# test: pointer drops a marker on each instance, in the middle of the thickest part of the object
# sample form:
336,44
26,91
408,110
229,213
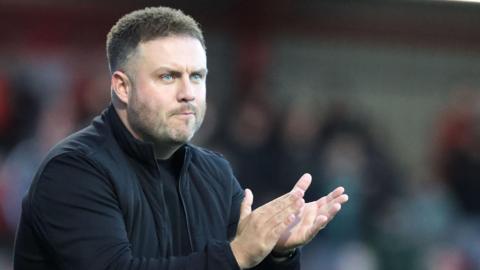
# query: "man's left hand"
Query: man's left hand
312,218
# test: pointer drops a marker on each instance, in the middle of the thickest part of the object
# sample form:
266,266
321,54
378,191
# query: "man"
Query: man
130,192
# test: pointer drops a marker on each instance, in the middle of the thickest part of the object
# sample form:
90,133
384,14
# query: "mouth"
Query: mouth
185,111
184,115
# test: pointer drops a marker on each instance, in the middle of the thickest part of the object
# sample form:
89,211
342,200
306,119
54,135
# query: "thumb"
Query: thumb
246,206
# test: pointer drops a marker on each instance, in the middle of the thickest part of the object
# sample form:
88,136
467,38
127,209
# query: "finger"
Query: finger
303,183
331,196
277,231
334,209
331,212
335,193
323,219
340,199
320,222
308,221
246,206
298,191
279,204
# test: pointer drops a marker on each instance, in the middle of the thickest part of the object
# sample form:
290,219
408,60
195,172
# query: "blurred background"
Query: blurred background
382,97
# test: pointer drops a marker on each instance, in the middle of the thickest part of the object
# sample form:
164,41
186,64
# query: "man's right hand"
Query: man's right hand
259,231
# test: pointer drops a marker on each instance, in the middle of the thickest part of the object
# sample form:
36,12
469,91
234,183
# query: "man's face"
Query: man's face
167,101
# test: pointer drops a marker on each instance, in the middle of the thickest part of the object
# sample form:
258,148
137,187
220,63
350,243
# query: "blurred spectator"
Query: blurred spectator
92,93
418,220
210,128
459,149
352,255
5,112
466,237
55,122
349,155
356,256
249,145
21,110
445,257
298,140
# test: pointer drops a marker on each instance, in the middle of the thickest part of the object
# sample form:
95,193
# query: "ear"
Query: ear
121,86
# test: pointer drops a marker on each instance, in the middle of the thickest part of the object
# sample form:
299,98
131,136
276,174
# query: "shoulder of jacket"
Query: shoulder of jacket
89,144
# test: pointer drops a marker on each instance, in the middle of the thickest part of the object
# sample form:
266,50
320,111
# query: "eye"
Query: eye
196,77
167,77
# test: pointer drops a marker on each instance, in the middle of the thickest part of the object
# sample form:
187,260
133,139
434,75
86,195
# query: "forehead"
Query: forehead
173,51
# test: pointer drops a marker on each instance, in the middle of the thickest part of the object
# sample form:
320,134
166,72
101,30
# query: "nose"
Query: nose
186,90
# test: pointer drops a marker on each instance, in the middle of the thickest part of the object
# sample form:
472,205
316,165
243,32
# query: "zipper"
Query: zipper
185,212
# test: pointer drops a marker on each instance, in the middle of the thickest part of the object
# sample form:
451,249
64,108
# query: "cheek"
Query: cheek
153,100
202,105
201,95
146,109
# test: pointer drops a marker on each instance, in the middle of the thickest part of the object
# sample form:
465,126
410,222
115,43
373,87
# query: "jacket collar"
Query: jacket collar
143,151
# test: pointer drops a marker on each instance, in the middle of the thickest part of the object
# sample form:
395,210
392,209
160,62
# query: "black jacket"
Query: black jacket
95,203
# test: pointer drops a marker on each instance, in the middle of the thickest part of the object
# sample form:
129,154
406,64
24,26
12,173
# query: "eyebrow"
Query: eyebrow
174,70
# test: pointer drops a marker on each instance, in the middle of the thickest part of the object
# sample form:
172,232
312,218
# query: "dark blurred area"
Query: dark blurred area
381,97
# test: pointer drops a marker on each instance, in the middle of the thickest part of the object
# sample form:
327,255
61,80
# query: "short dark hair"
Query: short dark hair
145,25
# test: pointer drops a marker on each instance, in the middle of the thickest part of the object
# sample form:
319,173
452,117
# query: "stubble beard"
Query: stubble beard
152,128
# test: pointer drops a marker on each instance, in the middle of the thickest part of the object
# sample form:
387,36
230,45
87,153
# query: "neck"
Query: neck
165,151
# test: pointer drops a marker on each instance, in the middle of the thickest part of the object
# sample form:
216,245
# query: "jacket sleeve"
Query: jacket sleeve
236,201
75,212
292,263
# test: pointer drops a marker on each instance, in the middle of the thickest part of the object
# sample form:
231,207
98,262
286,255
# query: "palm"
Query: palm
312,218
300,231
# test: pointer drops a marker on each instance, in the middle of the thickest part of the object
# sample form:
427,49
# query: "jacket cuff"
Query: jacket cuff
291,263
